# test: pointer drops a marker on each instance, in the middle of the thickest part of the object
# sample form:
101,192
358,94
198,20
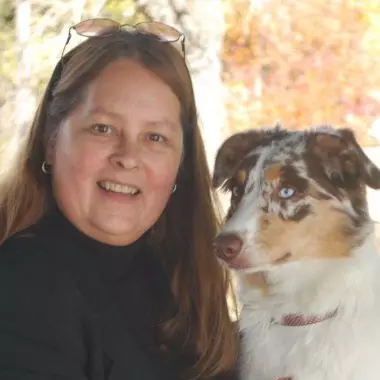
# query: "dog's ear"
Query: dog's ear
343,159
231,152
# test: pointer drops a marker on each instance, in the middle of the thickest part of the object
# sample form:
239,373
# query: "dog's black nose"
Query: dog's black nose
227,246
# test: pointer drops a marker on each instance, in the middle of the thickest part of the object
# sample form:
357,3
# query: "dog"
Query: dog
299,238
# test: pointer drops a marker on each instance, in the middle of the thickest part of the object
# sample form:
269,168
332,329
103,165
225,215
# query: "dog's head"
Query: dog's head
295,195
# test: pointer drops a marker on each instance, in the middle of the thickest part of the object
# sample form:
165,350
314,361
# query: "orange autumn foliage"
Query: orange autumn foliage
302,63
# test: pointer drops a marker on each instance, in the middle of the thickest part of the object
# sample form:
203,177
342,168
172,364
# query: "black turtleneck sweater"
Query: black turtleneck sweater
72,308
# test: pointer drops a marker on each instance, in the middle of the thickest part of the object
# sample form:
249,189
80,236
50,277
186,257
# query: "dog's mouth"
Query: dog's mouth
119,188
283,258
245,267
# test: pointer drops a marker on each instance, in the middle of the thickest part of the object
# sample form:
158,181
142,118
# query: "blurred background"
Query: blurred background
253,62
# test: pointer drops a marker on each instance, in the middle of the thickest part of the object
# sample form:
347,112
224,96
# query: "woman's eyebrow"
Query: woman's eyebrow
100,110
160,122
164,122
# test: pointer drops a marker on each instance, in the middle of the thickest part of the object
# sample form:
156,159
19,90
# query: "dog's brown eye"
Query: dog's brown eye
235,191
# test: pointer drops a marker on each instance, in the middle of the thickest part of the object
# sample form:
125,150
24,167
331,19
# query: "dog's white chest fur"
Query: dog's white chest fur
333,350
343,347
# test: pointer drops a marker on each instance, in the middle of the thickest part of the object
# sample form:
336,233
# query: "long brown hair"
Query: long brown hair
189,223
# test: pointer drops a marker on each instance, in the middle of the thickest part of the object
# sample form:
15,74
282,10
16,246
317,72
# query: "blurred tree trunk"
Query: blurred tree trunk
202,22
25,99
78,7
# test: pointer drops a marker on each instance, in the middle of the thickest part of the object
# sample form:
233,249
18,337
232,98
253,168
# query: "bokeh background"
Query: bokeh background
253,62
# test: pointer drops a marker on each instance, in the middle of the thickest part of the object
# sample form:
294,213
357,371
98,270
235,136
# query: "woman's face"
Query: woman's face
116,157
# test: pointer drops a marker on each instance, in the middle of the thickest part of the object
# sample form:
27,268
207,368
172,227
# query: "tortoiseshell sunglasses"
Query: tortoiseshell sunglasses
98,27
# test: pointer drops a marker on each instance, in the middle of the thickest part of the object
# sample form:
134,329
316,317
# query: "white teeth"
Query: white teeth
118,188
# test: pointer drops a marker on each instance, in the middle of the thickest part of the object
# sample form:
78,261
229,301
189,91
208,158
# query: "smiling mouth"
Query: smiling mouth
118,188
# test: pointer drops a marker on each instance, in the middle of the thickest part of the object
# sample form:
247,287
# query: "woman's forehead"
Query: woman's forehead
124,85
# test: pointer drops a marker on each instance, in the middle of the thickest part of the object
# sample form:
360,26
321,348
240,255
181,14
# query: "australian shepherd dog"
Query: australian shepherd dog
299,238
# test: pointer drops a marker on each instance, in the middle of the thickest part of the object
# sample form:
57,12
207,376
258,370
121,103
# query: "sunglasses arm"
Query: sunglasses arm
67,41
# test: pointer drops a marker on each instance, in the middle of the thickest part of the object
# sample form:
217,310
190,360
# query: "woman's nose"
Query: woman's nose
126,154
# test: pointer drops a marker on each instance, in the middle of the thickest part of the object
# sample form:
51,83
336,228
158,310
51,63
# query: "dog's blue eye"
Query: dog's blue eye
286,192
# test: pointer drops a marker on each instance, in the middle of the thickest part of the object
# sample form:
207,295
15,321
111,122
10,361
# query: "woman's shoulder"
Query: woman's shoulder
33,280
29,251
30,262
40,310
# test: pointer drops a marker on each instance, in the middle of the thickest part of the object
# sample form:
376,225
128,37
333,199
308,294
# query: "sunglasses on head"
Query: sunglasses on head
100,27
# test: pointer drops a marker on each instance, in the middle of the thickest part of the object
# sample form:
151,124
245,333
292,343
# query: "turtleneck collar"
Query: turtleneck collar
110,261
55,213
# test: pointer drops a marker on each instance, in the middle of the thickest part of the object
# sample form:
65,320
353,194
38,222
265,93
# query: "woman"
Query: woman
106,226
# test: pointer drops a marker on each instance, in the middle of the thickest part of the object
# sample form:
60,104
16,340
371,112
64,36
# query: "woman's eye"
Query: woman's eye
102,129
155,137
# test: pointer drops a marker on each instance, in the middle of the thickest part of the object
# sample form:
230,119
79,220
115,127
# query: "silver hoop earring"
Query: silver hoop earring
46,168
174,188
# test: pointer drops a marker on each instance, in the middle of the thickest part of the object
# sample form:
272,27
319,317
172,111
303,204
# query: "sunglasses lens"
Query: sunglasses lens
163,31
94,27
